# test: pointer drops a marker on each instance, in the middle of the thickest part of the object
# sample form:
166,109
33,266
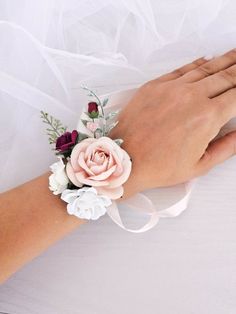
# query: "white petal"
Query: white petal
69,195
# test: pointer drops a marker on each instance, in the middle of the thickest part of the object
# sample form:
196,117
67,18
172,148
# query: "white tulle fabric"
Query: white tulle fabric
49,48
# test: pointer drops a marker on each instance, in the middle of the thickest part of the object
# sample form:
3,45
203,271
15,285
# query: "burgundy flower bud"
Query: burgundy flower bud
66,140
93,109
92,106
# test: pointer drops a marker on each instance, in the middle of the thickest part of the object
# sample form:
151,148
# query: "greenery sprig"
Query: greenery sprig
55,127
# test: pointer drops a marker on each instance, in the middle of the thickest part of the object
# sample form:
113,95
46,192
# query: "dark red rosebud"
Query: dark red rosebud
92,106
93,109
66,140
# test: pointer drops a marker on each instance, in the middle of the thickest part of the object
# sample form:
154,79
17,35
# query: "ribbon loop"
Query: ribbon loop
142,203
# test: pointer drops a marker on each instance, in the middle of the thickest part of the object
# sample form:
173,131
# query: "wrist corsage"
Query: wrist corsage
91,167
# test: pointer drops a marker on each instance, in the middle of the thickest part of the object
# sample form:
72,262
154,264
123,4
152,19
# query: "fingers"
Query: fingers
182,70
218,83
211,67
217,152
225,105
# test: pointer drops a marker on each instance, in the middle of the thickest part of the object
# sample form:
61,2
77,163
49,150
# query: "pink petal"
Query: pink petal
71,175
104,175
90,163
111,161
83,165
116,152
117,181
110,147
117,148
111,193
76,151
100,144
81,176
99,157
97,169
118,161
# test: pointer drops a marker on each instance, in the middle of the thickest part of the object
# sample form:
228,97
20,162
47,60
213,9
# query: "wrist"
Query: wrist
31,219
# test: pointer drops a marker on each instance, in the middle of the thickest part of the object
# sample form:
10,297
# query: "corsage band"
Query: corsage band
92,168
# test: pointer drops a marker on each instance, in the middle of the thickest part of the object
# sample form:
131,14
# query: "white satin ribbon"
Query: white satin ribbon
143,203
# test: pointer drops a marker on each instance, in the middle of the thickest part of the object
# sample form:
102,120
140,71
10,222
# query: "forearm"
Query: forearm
31,219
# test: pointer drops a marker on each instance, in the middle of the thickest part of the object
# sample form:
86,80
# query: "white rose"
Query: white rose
58,180
85,203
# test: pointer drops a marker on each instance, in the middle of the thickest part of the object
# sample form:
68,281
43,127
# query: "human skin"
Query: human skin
170,125
168,129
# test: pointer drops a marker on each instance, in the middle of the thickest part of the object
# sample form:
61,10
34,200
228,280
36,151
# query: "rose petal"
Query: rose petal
104,175
116,151
62,140
74,136
97,169
113,145
117,181
83,165
82,177
110,161
100,144
76,151
71,175
99,158
65,146
111,193
92,106
118,161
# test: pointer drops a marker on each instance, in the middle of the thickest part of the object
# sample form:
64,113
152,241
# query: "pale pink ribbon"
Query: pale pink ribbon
142,203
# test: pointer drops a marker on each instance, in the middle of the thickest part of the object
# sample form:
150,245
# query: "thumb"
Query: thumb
218,151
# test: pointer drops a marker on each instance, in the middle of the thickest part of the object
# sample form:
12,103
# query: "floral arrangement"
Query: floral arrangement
92,167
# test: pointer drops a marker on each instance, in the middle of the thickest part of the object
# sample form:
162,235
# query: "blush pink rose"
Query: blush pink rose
100,163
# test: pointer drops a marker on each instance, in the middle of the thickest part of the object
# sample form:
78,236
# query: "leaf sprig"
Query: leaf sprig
55,127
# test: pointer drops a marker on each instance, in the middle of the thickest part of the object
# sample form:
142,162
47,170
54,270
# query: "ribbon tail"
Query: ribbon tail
177,208
143,203
147,206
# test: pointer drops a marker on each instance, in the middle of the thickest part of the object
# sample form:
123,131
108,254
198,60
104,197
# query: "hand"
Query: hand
169,125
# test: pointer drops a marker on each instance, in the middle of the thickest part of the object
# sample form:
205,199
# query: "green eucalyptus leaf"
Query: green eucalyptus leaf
112,114
82,136
111,126
118,141
84,122
99,132
104,102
